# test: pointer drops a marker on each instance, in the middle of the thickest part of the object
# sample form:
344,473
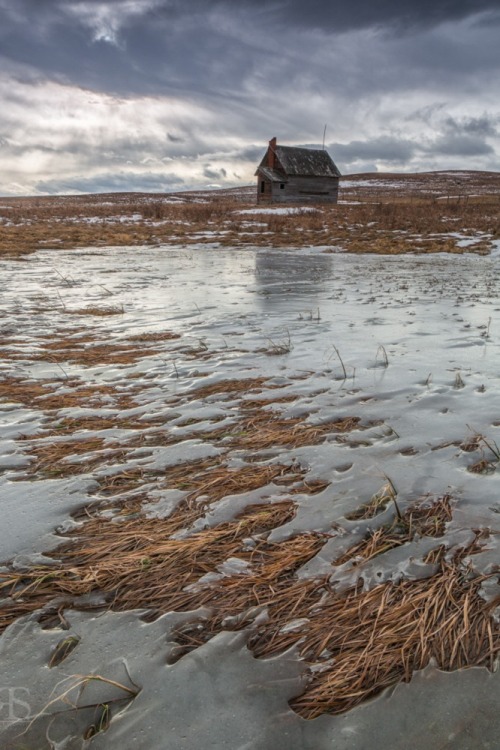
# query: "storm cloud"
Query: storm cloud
164,94
112,183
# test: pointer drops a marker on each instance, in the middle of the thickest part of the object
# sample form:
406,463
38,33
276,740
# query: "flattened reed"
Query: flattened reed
376,505
360,642
222,481
102,311
138,560
70,425
424,519
260,430
225,387
260,403
22,391
50,459
357,642
84,347
371,640
207,478
95,354
50,395
155,336
87,396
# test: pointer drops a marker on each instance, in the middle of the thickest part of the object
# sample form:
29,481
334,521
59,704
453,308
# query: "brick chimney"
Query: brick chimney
271,153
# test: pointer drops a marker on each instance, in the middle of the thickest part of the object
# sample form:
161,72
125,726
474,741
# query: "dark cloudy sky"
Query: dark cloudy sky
104,95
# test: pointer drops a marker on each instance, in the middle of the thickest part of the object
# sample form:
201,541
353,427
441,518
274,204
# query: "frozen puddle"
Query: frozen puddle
342,409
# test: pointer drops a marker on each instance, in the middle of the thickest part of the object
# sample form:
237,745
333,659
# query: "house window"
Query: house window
262,186
282,185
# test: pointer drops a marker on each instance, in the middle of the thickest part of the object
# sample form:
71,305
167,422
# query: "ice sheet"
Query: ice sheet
410,345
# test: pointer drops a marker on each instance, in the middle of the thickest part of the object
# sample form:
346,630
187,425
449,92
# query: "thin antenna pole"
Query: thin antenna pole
324,135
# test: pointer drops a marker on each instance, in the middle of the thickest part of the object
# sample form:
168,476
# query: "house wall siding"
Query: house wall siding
306,190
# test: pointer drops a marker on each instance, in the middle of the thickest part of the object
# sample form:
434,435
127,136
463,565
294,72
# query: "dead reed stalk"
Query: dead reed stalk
357,642
370,640
261,429
53,459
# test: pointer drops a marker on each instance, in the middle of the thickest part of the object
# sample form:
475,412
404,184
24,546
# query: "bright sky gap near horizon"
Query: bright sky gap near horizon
162,95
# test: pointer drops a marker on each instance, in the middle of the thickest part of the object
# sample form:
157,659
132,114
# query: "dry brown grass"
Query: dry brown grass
93,354
380,637
358,642
376,505
384,219
260,403
84,353
116,558
102,311
156,336
222,481
260,430
91,396
425,519
389,222
51,396
81,346
62,222
53,459
287,601
71,425
230,387
207,478
257,429
22,391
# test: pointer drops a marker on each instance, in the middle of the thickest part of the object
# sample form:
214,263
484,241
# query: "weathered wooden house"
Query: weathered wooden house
296,175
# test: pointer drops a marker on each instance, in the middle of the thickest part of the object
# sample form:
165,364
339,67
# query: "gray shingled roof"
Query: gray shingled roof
306,162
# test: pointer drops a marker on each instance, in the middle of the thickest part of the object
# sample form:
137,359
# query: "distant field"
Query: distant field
377,213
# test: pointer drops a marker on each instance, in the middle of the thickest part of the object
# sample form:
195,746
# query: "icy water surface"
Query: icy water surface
410,345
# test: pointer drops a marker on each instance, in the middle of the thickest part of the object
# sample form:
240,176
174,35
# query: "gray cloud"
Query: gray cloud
152,46
112,183
253,153
403,15
460,145
385,148
196,89
316,12
214,174
391,152
484,125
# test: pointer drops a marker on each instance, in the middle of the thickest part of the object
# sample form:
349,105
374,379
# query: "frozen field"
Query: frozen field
317,423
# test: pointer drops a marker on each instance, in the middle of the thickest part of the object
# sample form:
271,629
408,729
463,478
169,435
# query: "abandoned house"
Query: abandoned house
296,175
